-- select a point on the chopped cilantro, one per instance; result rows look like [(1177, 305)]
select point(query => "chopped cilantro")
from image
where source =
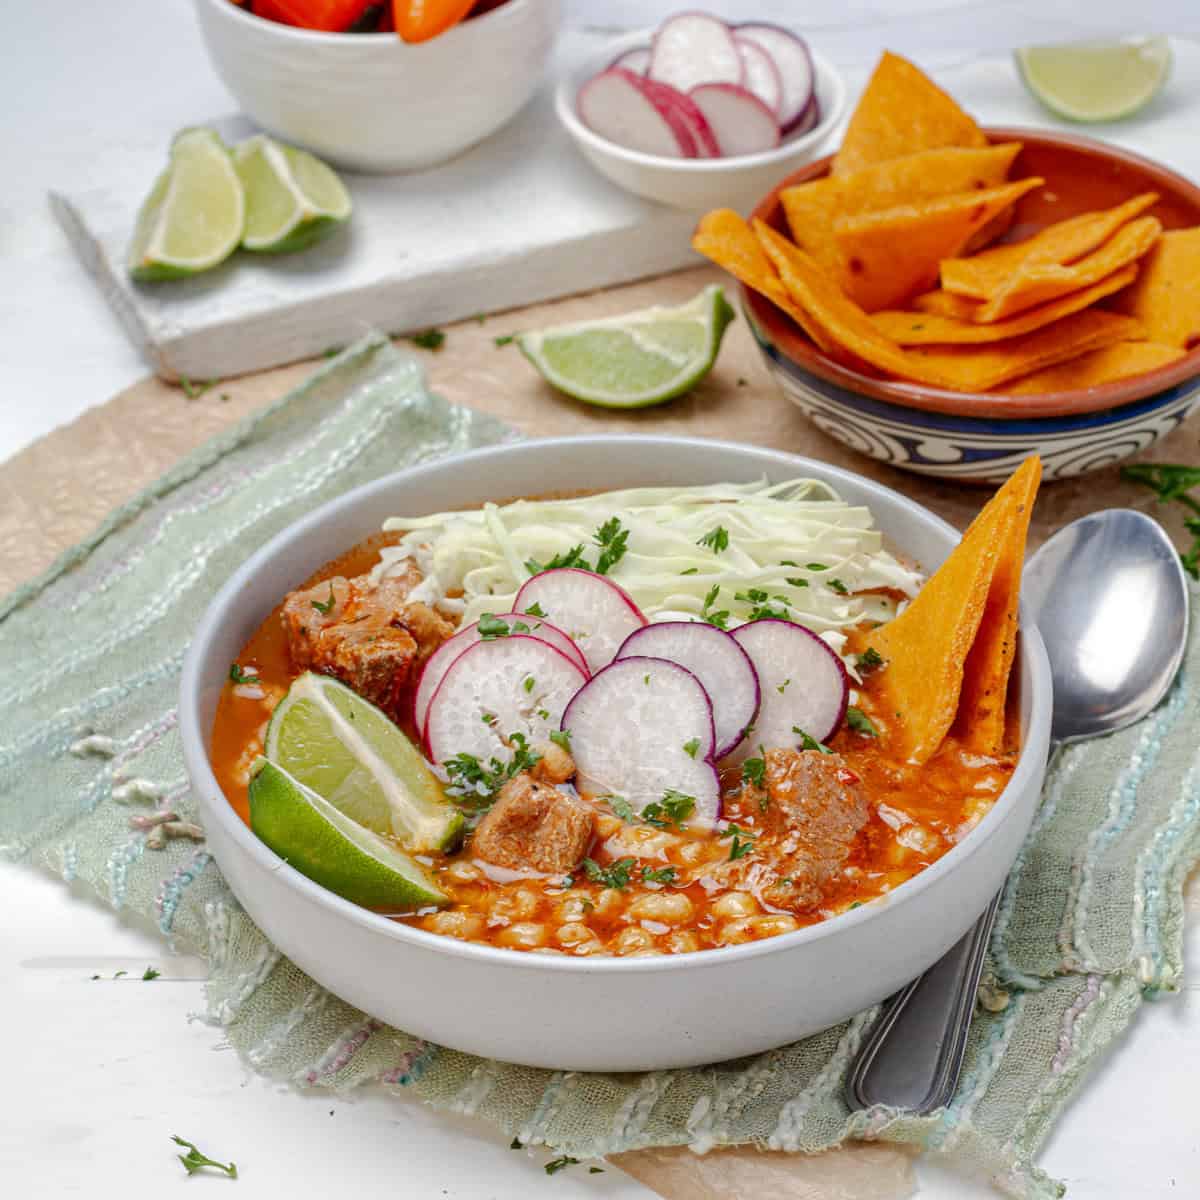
[(195, 1159), (474, 784), (558, 1164), (691, 571), (754, 771), (646, 680), (621, 807), (788, 562), (662, 875), (529, 683), (836, 585), (505, 339), (1173, 481), (691, 747), (240, 674), (860, 722), (561, 738), (742, 381), (194, 390), (808, 742), (614, 876), (742, 844), (535, 610), (429, 339), (674, 808), (515, 1144), (491, 627), (480, 318), (783, 687), (325, 607), (869, 660), (719, 619), (717, 540), (760, 610), (798, 582), (611, 539), (150, 973), (816, 567), (572, 558), (489, 718), (544, 714), (595, 1170)]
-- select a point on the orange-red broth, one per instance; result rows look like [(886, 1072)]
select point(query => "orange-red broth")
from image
[(917, 814)]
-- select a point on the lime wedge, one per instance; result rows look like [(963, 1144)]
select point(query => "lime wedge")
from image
[(292, 198), (633, 360), (343, 748), (1096, 81), (192, 219), (332, 850)]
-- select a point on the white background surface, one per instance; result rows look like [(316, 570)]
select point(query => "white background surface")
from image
[(98, 1074)]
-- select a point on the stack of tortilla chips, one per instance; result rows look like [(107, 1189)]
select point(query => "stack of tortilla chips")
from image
[(914, 200)]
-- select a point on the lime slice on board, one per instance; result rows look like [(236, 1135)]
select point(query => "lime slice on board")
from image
[(333, 741), (332, 850), (192, 220), (636, 359), (292, 198), (1096, 81)]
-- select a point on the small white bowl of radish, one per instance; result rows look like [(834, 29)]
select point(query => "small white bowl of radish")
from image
[(699, 113)]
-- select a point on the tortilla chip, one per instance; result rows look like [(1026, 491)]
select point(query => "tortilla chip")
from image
[(980, 721), (727, 240), (1121, 361), (1166, 297), (928, 645), (929, 327), (982, 275), (890, 254), (996, 228), (1039, 284), (812, 208), (902, 111), (960, 368)]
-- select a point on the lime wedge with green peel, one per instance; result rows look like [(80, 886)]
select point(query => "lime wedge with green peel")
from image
[(633, 360), (292, 198), (1096, 81), (192, 220), (331, 849), (350, 754)]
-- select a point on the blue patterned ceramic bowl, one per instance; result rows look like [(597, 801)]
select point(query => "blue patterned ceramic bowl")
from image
[(982, 437)]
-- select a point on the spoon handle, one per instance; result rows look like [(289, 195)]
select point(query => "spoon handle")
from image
[(912, 1057)]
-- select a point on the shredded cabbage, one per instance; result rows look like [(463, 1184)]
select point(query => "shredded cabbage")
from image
[(797, 541)]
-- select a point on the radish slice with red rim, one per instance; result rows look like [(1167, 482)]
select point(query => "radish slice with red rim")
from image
[(684, 108), (636, 60), (642, 728), (694, 48), (615, 105), (440, 660), (762, 75), (723, 668), (486, 696), (804, 685), (796, 75), (590, 609), (740, 121)]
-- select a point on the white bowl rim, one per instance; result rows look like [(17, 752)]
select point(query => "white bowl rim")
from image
[(568, 88), (194, 738), (319, 36)]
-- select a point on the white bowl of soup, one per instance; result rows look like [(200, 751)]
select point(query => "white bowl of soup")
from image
[(626, 987)]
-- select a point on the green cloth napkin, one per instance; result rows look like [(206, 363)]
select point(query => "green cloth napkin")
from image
[(1091, 921)]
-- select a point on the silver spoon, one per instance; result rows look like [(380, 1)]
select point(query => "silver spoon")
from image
[(1108, 594)]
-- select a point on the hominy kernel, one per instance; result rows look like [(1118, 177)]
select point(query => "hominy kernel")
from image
[(464, 872), (595, 946), (774, 923), (572, 934), (691, 852), (630, 940), (609, 902), (573, 908), (671, 907), (681, 942), (525, 935), (741, 929), (735, 904), (455, 924)]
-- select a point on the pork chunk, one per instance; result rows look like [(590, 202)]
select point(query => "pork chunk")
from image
[(532, 826), (367, 635)]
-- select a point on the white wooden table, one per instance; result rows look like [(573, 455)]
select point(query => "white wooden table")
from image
[(105, 1071)]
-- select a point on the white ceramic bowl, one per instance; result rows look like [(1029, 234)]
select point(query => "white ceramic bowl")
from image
[(598, 1014), (736, 182), (369, 101)]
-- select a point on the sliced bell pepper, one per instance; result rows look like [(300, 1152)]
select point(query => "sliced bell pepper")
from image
[(420, 20)]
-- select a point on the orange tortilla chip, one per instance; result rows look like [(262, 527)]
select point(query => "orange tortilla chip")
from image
[(1039, 284), (890, 254), (727, 240), (1100, 366), (930, 327), (960, 368), (980, 722), (1166, 297), (928, 645), (902, 111), (982, 275), (812, 208)]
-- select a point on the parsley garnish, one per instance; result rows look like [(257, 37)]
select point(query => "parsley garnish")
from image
[(798, 582), (193, 391), (240, 674), (860, 722), (194, 1159), (690, 747), (476, 784), (754, 771), (561, 738), (760, 610), (557, 1164), (816, 567), (572, 558), (150, 973), (662, 875), (836, 585), (529, 683), (504, 340), (674, 808), (1173, 481), (621, 807), (783, 687), (326, 607), (717, 540), (719, 619), (611, 539), (615, 876), (430, 339), (490, 627), (869, 660), (691, 571), (808, 742), (742, 844), (535, 610)]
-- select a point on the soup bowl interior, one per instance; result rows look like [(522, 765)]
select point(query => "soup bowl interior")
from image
[(603, 1014)]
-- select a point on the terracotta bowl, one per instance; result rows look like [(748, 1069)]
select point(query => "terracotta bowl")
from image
[(977, 436)]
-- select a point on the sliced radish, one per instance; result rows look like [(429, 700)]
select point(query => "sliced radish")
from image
[(808, 120), (590, 609), (439, 661), (615, 105), (694, 48), (667, 98), (636, 60), (723, 668), (804, 685), (796, 75), (643, 727), (485, 697), (741, 122), (762, 75)]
